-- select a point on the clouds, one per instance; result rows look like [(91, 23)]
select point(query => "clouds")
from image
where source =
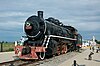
[(82, 14), (89, 26), (12, 14), (11, 31)]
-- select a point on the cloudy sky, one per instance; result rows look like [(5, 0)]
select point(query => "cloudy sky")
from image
[(82, 14)]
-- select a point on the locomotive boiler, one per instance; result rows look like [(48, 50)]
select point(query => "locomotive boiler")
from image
[(47, 37)]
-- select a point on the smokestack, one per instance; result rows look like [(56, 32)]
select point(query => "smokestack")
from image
[(40, 14)]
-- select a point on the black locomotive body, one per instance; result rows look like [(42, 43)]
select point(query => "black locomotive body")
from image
[(50, 36)]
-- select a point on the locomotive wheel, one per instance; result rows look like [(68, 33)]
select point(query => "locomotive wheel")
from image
[(64, 49), (49, 52), (58, 51)]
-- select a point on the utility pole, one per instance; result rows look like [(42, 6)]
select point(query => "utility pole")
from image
[(2, 45)]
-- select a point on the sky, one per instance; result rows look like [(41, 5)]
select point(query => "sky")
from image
[(84, 15)]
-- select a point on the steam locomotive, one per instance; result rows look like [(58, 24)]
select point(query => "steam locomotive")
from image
[(47, 37)]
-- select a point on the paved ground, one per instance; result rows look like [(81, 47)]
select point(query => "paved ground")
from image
[(6, 56), (82, 59)]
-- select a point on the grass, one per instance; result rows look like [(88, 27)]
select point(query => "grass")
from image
[(7, 47)]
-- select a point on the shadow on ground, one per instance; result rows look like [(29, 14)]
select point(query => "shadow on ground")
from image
[(97, 60), (81, 65)]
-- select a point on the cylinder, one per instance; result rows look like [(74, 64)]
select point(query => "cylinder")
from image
[(40, 14)]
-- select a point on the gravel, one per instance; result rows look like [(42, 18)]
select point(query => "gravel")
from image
[(55, 61)]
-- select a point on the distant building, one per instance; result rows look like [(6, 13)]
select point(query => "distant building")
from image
[(89, 42), (86, 43)]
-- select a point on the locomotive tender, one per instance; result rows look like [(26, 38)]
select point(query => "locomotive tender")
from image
[(47, 37)]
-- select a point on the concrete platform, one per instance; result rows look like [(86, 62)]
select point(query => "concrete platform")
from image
[(82, 59), (6, 56)]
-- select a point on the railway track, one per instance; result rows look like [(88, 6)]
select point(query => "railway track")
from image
[(18, 63), (24, 62)]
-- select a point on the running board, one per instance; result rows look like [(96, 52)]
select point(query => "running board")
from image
[(47, 39), (62, 37)]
